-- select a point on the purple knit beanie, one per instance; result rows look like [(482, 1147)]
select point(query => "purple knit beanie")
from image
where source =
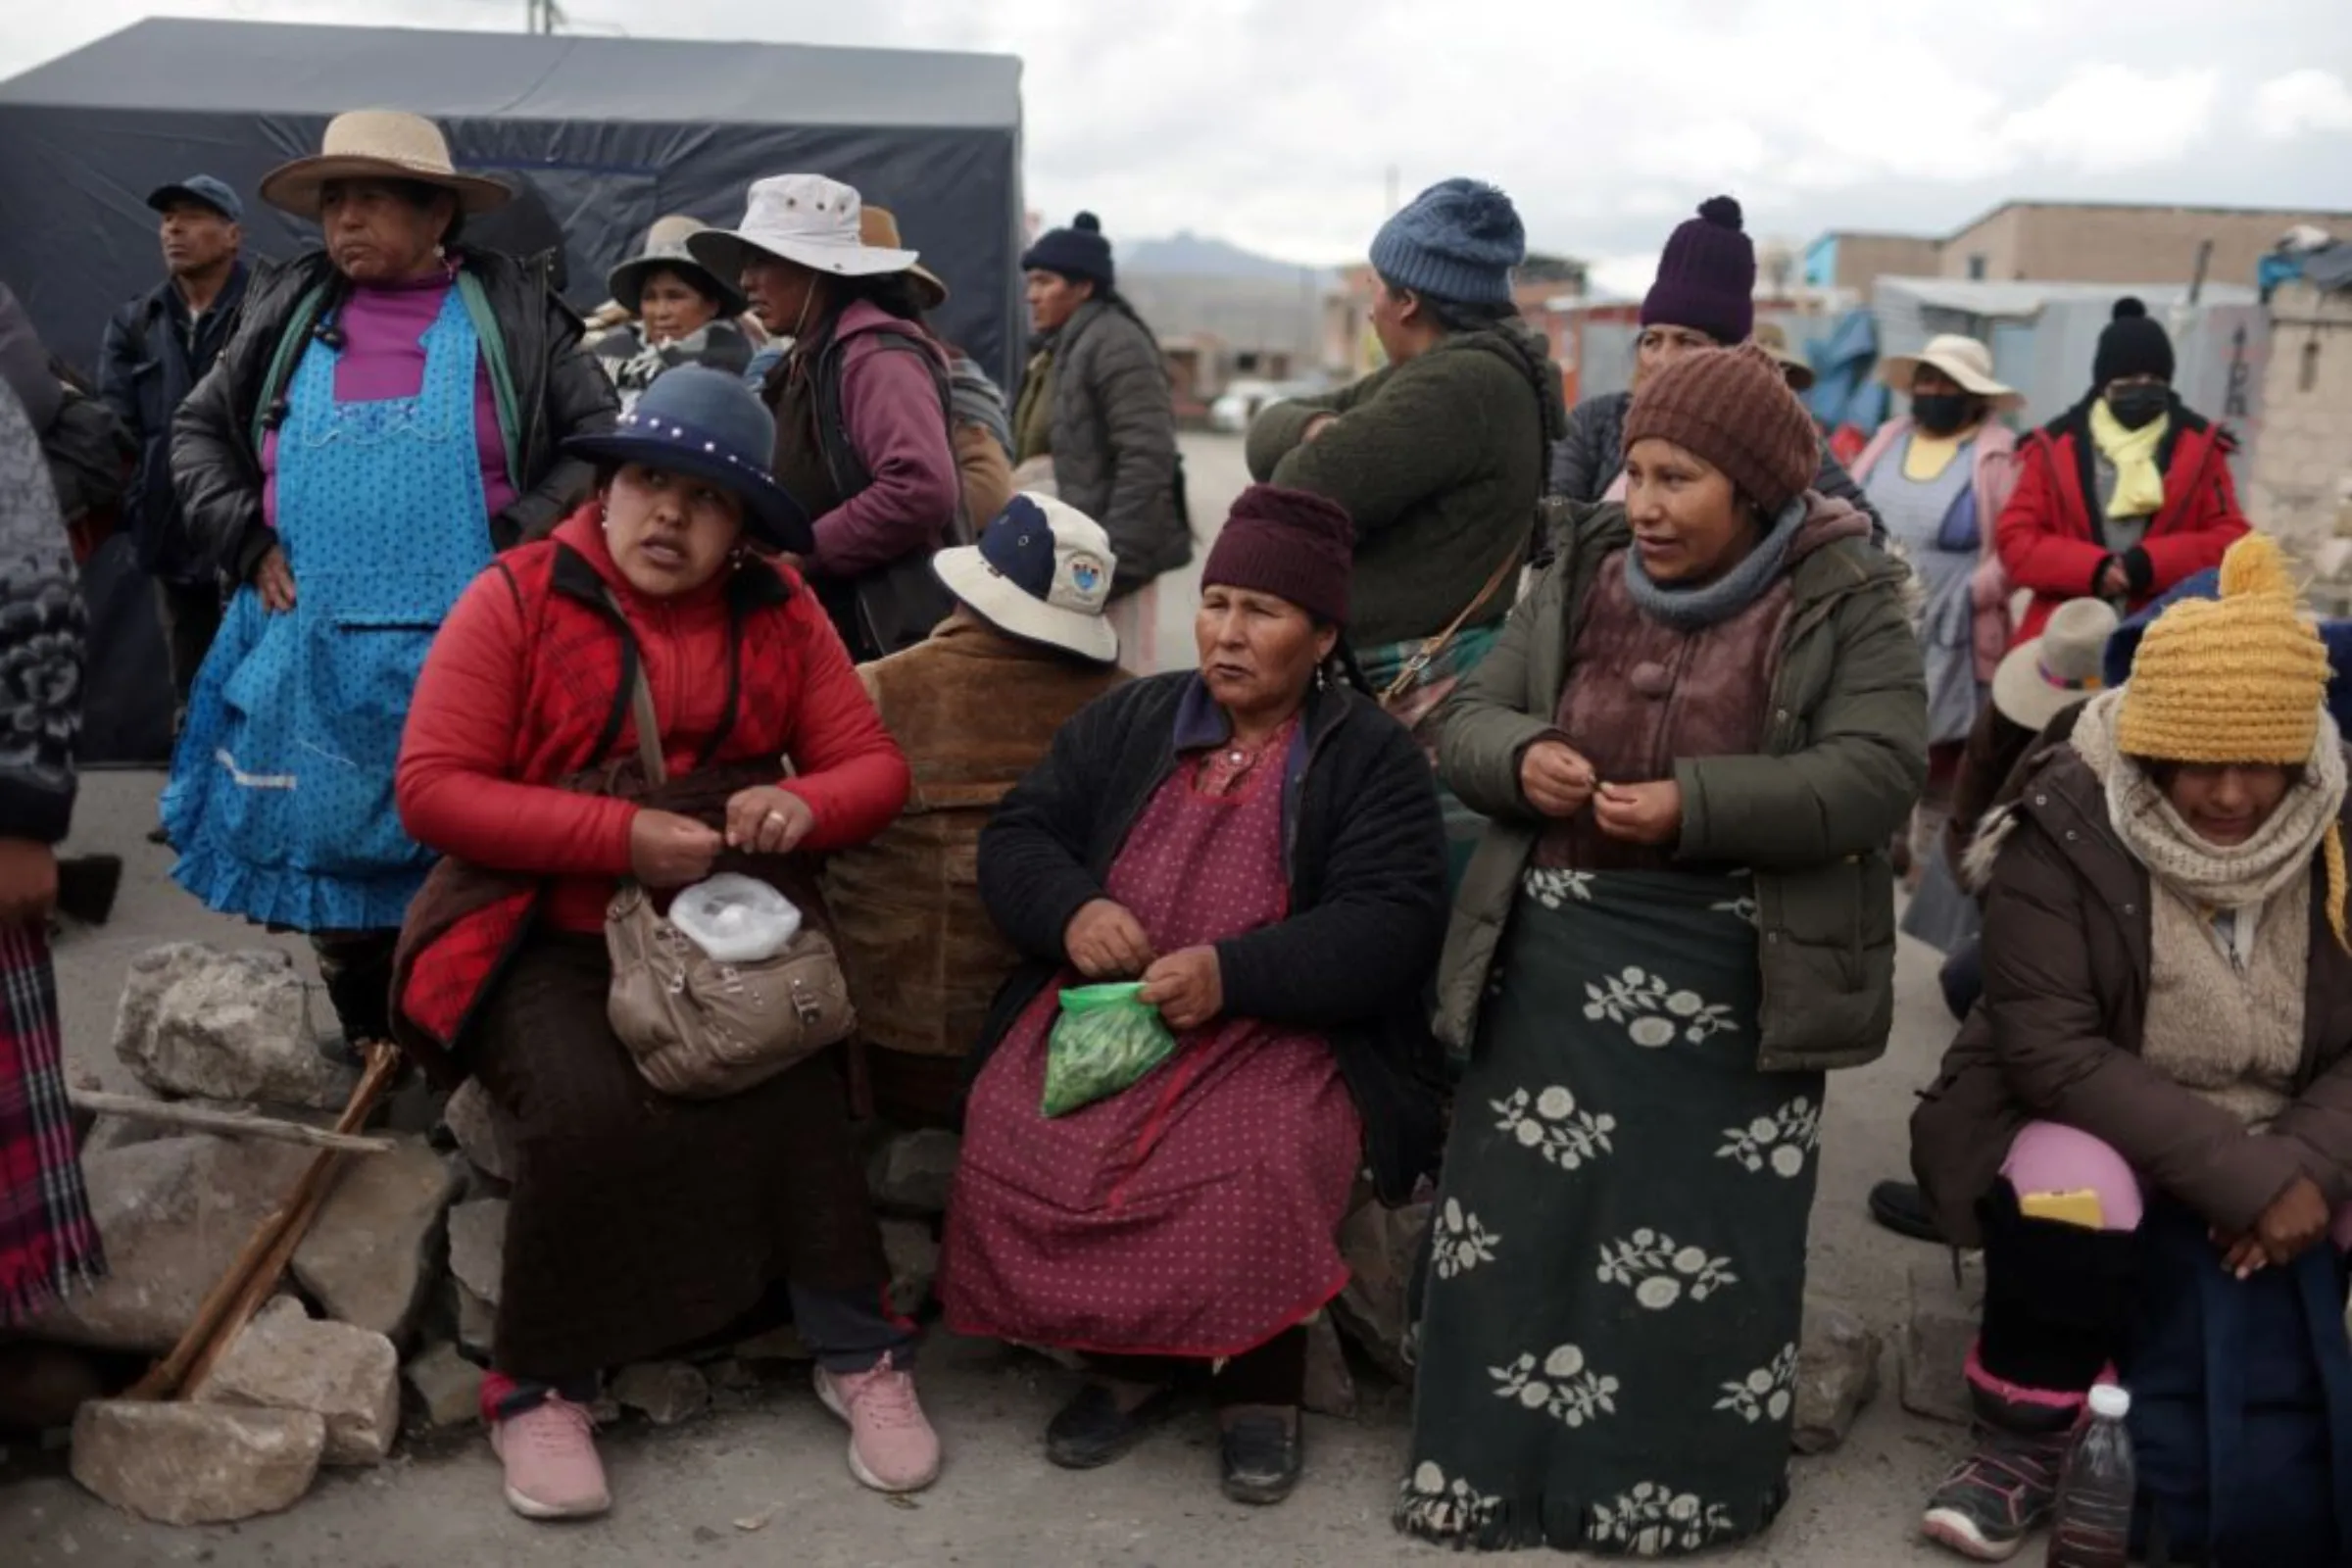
[(1707, 276), (1289, 543)]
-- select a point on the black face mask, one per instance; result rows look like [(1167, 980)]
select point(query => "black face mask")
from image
[(1941, 412), (2135, 407)]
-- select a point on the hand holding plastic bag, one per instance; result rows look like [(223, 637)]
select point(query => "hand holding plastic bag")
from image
[(1106, 1040)]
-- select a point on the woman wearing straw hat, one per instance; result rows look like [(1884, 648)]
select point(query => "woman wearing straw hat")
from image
[(642, 1223), (389, 413), (1940, 477), (861, 404), (2148, 1122), (684, 313)]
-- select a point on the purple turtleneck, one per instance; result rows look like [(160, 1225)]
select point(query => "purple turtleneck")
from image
[(384, 358)]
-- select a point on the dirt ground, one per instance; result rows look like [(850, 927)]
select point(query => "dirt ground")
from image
[(766, 1485)]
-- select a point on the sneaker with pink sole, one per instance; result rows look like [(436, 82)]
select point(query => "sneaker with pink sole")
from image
[(551, 1468), (892, 1446)]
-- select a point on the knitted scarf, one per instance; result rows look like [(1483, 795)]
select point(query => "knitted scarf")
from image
[(2138, 482), (1689, 610)]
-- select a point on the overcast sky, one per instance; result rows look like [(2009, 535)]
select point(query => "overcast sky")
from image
[(1274, 122)]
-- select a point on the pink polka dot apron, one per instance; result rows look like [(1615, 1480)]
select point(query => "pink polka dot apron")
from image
[(280, 796), (1195, 1213)]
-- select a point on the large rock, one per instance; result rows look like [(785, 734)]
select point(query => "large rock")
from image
[(481, 1131), (348, 1377), (376, 1247), (174, 1214), (912, 1173), (913, 1256), (665, 1393), (447, 1386), (195, 1020), (1942, 1327), (1836, 1376), (1330, 1384), (196, 1464), (1379, 1245), (477, 1245), (474, 1321)]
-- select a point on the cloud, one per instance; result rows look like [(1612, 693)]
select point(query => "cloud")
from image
[(2108, 118), (2301, 103)]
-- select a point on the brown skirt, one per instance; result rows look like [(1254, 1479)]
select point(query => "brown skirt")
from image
[(640, 1224)]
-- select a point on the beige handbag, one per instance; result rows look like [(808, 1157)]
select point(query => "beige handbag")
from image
[(701, 1029)]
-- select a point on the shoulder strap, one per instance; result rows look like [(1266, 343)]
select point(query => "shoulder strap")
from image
[(1414, 667), (290, 348), (492, 344), (641, 697)]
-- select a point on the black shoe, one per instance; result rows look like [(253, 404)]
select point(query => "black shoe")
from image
[(1902, 1208), (1092, 1430), (1999, 1494), (86, 885), (1263, 1455)]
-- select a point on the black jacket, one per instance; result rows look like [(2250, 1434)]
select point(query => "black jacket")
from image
[(559, 392), (1365, 852), (149, 365)]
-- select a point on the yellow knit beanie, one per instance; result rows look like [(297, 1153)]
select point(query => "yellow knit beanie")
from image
[(2241, 678)]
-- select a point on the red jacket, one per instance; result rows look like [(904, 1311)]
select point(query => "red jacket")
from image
[(2052, 536), (524, 682)]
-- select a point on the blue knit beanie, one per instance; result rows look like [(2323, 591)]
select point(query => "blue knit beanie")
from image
[(1457, 240), (1078, 252)]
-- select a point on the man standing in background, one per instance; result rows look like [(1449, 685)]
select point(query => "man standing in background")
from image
[(158, 347)]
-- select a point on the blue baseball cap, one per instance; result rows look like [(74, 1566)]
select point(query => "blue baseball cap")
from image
[(202, 190)]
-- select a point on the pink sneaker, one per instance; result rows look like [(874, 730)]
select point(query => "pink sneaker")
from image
[(892, 1446), (551, 1468)]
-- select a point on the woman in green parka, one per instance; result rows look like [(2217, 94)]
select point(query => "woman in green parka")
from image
[(1695, 741)]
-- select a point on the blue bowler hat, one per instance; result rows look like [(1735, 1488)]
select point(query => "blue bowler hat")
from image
[(704, 422)]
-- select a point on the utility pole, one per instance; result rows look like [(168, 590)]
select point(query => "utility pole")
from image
[(1395, 179)]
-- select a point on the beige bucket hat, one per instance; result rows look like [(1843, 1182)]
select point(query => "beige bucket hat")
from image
[(666, 251), (1966, 360), (378, 144), (805, 218), (1773, 339), (2035, 679)]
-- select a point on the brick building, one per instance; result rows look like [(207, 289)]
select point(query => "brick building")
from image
[(2069, 242)]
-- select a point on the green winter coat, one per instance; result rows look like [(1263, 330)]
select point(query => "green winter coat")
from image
[(1846, 753), (1440, 462)]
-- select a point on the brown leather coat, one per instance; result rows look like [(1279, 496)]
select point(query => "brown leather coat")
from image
[(2056, 1038)]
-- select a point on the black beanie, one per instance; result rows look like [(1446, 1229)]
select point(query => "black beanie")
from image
[(2134, 344), (1079, 253)]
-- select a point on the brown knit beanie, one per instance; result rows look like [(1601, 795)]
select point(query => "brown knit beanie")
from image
[(1733, 408), (1289, 543)]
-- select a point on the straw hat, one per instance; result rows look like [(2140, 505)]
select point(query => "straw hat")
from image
[(2035, 679), (378, 144), (666, 252), (803, 218), (1773, 339), (879, 229), (1966, 360)]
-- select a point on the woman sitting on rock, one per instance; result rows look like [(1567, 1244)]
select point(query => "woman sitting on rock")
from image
[(1261, 847), (2153, 1103), (642, 1223)]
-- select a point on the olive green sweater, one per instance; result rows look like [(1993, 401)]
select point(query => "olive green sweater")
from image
[(1440, 461)]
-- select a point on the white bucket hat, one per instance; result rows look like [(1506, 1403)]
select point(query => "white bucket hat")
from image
[(378, 144), (1966, 360), (805, 218), (2037, 679), (1041, 572)]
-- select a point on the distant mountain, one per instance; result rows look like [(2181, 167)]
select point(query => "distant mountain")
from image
[(1190, 255)]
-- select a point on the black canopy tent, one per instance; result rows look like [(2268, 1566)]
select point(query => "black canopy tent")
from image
[(600, 135), (613, 132)]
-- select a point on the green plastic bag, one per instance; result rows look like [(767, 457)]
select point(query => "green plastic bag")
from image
[(1106, 1040)]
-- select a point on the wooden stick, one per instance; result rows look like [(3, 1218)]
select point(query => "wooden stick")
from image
[(234, 1124), (236, 1297)]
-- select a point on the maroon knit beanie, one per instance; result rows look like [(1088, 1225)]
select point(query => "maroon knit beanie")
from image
[(1733, 407), (1289, 543), (1707, 276)]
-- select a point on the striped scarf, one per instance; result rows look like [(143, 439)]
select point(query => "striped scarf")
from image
[(48, 1242)]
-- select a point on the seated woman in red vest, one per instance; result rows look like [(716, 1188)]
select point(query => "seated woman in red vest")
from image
[(640, 1223)]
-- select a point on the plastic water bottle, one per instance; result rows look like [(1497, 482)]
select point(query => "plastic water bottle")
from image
[(2093, 1526)]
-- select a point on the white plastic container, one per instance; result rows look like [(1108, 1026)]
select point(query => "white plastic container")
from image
[(736, 920)]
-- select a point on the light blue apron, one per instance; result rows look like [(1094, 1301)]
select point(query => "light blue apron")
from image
[(281, 798)]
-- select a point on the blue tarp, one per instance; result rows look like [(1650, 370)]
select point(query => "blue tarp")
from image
[(1844, 391)]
